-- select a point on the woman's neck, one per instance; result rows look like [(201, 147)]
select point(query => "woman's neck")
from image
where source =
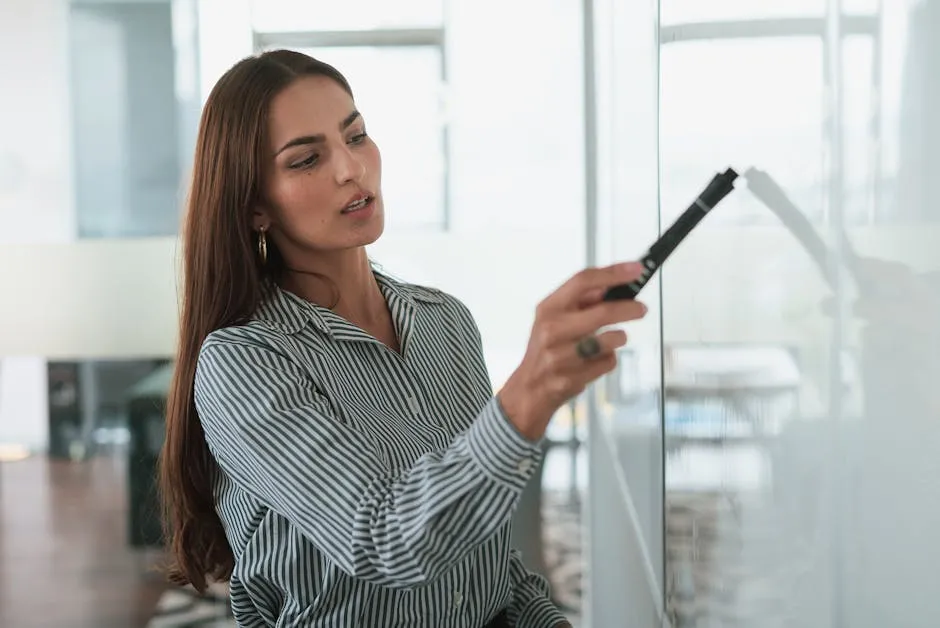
[(343, 283)]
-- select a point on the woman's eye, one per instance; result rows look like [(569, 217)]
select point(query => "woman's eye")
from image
[(358, 138), (306, 163)]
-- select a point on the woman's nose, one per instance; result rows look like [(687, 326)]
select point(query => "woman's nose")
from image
[(348, 166)]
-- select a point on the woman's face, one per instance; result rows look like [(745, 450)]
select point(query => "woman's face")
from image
[(322, 185)]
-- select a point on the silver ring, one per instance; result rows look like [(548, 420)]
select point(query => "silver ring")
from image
[(588, 347)]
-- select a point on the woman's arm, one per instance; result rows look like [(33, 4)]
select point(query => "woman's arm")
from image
[(278, 438)]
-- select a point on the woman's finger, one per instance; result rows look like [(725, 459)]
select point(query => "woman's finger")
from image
[(587, 281)]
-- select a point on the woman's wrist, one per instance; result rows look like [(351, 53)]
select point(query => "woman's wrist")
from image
[(516, 403)]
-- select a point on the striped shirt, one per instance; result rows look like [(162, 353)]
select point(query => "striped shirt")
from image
[(363, 487)]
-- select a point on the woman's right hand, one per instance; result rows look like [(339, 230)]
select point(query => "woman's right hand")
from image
[(552, 371)]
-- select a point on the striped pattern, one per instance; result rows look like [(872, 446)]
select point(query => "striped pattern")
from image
[(363, 487)]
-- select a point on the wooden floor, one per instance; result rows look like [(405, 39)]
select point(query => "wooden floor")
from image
[(64, 560)]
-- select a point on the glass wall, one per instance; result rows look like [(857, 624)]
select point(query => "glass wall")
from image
[(795, 408)]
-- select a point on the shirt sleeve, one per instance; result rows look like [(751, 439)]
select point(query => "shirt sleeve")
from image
[(531, 605), (271, 430)]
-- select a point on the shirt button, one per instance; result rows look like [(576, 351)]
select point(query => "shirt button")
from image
[(458, 598), (524, 466)]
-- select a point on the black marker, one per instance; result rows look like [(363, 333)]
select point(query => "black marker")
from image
[(720, 187)]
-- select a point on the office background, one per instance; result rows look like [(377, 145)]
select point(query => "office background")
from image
[(764, 456)]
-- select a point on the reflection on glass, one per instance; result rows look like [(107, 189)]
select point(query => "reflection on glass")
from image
[(399, 91), (801, 406)]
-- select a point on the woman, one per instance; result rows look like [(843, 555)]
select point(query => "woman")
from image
[(333, 447)]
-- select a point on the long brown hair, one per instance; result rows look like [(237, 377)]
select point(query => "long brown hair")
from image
[(224, 282)]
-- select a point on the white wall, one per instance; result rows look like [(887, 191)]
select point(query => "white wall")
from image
[(98, 299), (23, 396)]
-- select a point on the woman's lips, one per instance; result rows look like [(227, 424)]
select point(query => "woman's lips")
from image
[(360, 207)]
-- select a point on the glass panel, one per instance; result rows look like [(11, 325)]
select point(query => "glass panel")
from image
[(801, 414), (699, 126), (400, 94), (324, 15), (626, 437)]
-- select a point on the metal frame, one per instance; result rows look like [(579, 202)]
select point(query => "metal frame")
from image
[(624, 575), (397, 37), (769, 27), (376, 38)]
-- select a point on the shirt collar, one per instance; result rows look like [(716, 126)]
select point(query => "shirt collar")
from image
[(289, 313)]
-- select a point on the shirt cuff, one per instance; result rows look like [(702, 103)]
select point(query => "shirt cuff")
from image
[(500, 450), (541, 612)]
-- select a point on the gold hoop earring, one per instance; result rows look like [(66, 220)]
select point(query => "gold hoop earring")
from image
[(262, 246)]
